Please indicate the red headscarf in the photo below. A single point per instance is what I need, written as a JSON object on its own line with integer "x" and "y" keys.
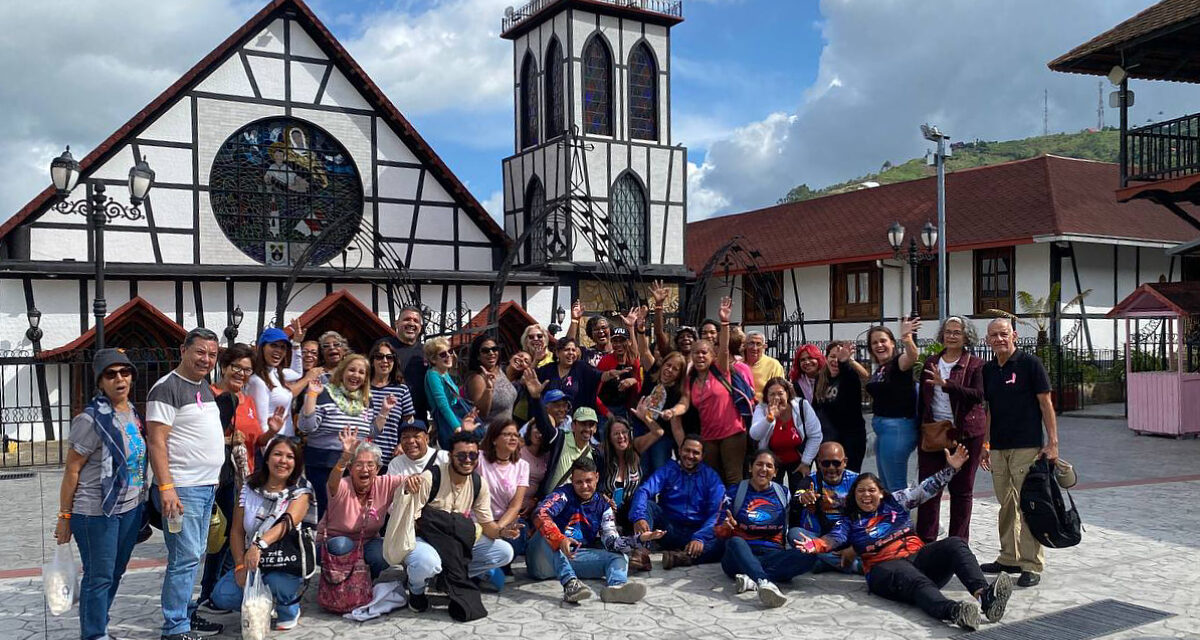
{"x": 803, "y": 350}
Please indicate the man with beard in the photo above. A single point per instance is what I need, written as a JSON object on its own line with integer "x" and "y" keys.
{"x": 684, "y": 499}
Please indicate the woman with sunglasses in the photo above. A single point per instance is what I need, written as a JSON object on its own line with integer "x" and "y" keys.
{"x": 488, "y": 386}
{"x": 536, "y": 343}
{"x": 447, "y": 407}
{"x": 387, "y": 380}
{"x": 103, "y": 488}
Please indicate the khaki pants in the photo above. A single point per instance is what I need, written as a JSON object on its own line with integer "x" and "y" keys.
{"x": 727, "y": 457}
{"x": 1017, "y": 545}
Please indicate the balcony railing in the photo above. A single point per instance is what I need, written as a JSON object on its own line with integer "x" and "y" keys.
{"x": 672, "y": 8}
{"x": 1163, "y": 150}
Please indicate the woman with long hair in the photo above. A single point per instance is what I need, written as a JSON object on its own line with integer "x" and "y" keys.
{"x": 103, "y": 488}
{"x": 507, "y": 477}
{"x": 622, "y": 473}
{"x": 536, "y": 342}
{"x": 898, "y": 565}
{"x": 786, "y": 425}
{"x": 952, "y": 389}
{"x": 447, "y": 408}
{"x": 668, "y": 377}
{"x": 345, "y": 403}
{"x": 515, "y": 372}
{"x": 572, "y": 375}
{"x": 838, "y": 402}
{"x": 270, "y": 386}
{"x": 536, "y": 450}
{"x": 275, "y": 500}
{"x": 387, "y": 380}
{"x": 488, "y": 386}
{"x": 806, "y": 368}
{"x": 894, "y": 401}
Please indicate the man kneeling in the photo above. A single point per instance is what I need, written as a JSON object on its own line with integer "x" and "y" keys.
{"x": 570, "y": 519}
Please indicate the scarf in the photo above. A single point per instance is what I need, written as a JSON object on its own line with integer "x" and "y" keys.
{"x": 276, "y": 503}
{"x": 114, "y": 472}
{"x": 347, "y": 405}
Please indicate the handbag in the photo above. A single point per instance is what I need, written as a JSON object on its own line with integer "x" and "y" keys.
{"x": 217, "y": 532}
{"x": 937, "y": 436}
{"x": 345, "y": 580}
{"x": 295, "y": 553}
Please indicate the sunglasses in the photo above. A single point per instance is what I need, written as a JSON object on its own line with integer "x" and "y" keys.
{"x": 386, "y": 357}
{"x": 832, "y": 464}
{"x": 444, "y": 354}
{"x": 489, "y": 350}
{"x": 124, "y": 372}
{"x": 536, "y": 336}
{"x": 466, "y": 456}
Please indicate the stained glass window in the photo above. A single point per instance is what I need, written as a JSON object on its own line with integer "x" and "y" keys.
{"x": 643, "y": 94}
{"x": 555, "y": 104}
{"x": 597, "y": 88}
{"x": 627, "y": 219}
{"x": 529, "y": 103}
{"x": 535, "y": 206}
{"x": 277, "y": 184}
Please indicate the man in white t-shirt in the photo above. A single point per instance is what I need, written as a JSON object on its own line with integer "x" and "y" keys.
{"x": 187, "y": 449}
{"x": 415, "y": 456}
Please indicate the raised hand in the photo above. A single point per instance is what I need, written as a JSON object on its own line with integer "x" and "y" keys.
{"x": 659, "y": 292}
{"x": 958, "y": 457}
{"x": 909, "y": 326}
{"x": 389, "y": 402}
{"x": 532, "y": 384}
{"x": 726, "y": 310}
{"x": 577, "y": 310}
{"x": 470, "y": 421}
{"x": 297, "y": 330}
{"x": 933, "y": 376}
{"x": 314, "y": 385}
{"x": 349, "y": 440}
{"x": 630, "y": 319}
{"x": 275, "y": 422}
{"x": 489, "y": 379}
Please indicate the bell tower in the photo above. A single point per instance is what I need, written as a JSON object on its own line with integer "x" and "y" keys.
{"x": 594, "y": 175}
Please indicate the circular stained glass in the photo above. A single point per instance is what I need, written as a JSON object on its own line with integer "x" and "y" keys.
{"x": 279, "y": 185}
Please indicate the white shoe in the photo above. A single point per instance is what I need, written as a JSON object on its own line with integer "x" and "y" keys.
{"x": 770, "y": 595}
{"x": 287, "y": 625}
{"x": 743, "y": 583}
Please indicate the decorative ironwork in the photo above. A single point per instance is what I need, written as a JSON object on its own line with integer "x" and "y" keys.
{"x": 643, "y": 94}
{"x": 734, "y": 257}
{"x": 513, "y": 17}
{"x": 1163, "y": 150}
{"x": 627, "y": 218}
{"x": 556, "y": 111}
{"x": 597, "y": 87}
{"x": 443, "y": 324}
{"x": 112, "y": 209}
{"x": 529, "y": 102}
{"x": 276, "y": 184}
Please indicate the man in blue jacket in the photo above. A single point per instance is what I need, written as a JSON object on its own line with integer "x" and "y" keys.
{"x": 683, "y": 498}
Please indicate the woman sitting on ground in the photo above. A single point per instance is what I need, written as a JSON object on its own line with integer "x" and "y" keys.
{"x": 275, "y": 500}
{"x": 622, "y": 473}
{"x": 898, "y": 565}
{"x": 507, "y": 477}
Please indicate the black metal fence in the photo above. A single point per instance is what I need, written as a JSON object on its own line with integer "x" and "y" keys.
{"x": 1164, "y": 150}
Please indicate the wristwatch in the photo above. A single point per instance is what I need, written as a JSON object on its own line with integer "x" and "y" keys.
{"x": 261, "y": 544}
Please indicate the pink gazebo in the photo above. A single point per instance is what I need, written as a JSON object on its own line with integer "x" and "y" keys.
{"x": 1166, "y": 399}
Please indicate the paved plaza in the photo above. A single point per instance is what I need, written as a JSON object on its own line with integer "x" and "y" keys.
{"x": 1137, "y": 498}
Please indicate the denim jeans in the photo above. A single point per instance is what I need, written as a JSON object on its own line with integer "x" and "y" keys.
{"x": 105, "y": 544}
{"x": 780, "y": 565}
{"x": 184, "y": 550}
{"x": 679, "y": 535}
{"x": 521, "y": 543}
{"x": 372, "y": 552}
{"x": 544, "y": 563}
{"x": 895, "y": 442}
{"x": 423, "y": 562}
{"x": 285, "y": 588}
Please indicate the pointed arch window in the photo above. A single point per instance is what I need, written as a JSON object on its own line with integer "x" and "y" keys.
{"x": 535, "y": 207}
{"x": 597, "y": 87}
{"x": 556, "y": 115}
{"x": 627, "y": 219}
{"x": 643, "y": 94}
{"x": 529, "y": 102}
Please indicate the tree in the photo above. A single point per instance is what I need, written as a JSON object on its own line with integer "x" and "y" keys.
{"x": 1038, "y": 312}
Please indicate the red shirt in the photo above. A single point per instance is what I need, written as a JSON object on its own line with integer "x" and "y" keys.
{"x": 785, "y": 442}
{"x": 246, "y": 422}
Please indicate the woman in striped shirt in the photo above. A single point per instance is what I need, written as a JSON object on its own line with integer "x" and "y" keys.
{"x": 344, "y": 403}
{"x": 387, "y": 380}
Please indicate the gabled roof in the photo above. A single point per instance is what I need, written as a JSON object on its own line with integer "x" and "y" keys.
{"x": 999, "y": 205}
{"x": 343, "y": 301}
{"x": 135, "y": 309}
{"x": 510, "y": 318}
{"x": 298, "y": 10}
{"x": 1160, "y": 299}
{"x": 1155, "y": 44}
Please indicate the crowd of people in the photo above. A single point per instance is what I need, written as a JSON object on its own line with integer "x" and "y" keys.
{"x": 583, "y": 454}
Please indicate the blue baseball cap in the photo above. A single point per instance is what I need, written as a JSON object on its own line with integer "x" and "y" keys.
{"x": 272, "y": 334}
{"x": 554, "y": 395}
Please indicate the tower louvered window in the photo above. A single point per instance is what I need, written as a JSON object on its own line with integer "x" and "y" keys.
{"x": 556, "y": 116}
{"x": 535, "y": 207}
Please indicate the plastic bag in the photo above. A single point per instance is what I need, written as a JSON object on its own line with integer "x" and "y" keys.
{"x": 60, "y": 580}
{"x": 257, "y": 604}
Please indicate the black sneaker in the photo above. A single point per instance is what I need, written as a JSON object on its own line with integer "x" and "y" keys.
{"x": 186, "y": 635}
{"x": 576, "y": 591}
{"x": 207, "y": 605}
{"x": 965, "y": 615}
{"x": 995, "y": 597}
{"x": 202, "y": 627}
{"x": 418, "y": 602}
{"x": 996, "y": 567}
{"x": 1029, "y": 579}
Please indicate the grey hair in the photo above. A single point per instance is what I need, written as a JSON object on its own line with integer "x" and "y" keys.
{"x": 367, "y": 447}
{"x": 1005, "y": 319}
{"x": 970, "y": 337}
{"x": 753, "y": 334}
{"x": 333, "y": 334}
{"x": 198, "y": 334}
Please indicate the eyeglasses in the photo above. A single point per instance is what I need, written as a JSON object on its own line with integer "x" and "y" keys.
{"x": 954, "y": 334}
{"x": 240, "y": 371}
{"x": 536, "y": 336}
{"x": 370, "y": 464}
{"x": 444, "y": 354}
{"x": 832, "y": 464}
{"x": 332, "y": 345}
{"x": 489, "y": 350}
{"x": 466, "y": 456}
{"x": 387, "y": 357}
{"x": 124, "y": 372}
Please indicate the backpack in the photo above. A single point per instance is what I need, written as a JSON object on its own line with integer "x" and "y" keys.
{"x": 740, "y": 391}
{"x": 739, "y": 498}
{"x": 436, "y": 485}
{"x": 1043, "y": 510}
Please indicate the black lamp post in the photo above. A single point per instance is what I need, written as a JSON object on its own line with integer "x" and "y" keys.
{"x": 913, "y": 256}
{"x": 33, "y": 333}
{"x": 64, "y": 173}
{"x": 235, "y": 321}
{"x": 560, "y": 314}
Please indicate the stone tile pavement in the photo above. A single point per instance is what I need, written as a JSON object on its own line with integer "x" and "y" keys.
{"x": 1140, "y": 546}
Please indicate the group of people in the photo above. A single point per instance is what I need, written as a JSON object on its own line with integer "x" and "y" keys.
{"x": 584, "y": 454}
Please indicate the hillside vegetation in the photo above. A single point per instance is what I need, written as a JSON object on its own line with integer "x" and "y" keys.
{"x": 1089, "y": 145}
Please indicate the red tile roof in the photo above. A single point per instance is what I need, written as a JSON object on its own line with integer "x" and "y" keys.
{"x": 510, "y": 318}
{"x": 343, "y": 302}
{"x": 1156, "y": 34}
{"x": 998, "y": 205}
{"x": 274, "y": 9}
{"x": 1158, "y": 299}
{"x": 137, "y": 307}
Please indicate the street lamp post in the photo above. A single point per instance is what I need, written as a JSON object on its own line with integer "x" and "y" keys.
{"x": 943, "y": 151}
{"x": 913, "y": 256}
{"x": 560, "y": 314}
{"x": 99, "y": 210}
{"x": 235, "y": 321}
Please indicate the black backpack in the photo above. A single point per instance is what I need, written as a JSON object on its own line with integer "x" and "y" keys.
{"x": 1049, "y": 518}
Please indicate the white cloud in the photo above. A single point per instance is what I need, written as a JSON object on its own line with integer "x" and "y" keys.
{"x": 494, "y": 204}
{"x": 975, "y": 69}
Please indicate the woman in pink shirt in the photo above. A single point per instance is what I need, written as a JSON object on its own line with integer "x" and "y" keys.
{"x": 506, "y": 473}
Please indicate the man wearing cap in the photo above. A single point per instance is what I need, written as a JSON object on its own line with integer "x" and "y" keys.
{"x": 621, "y": 377}
{"x": 187, "y": 449}
{"x": 414, "y": 455}
{"x": 565, "y": 446}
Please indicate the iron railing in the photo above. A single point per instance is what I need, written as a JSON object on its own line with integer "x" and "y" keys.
{"x": 665, "y": 7}
{"x": 1163, "y": 150}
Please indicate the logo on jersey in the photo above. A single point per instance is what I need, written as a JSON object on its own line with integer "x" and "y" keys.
{"x": 760, "y": 511}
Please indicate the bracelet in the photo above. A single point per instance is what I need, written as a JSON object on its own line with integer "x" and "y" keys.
{"x": 239, "y": 567}
{"x": 312, "y": 394}
{"x": 164, "y": 487}
{"x": 726, "y": 324}
{"x": 987, "y": 446}
{"x": 64, "y": 515}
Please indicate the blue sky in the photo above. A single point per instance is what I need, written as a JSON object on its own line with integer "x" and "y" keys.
{"x": 767, "y": 94}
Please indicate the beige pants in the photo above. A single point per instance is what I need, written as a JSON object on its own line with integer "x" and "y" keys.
{"x": 1017, "y": 545}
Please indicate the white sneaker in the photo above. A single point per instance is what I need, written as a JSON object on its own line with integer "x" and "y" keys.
{"x": 287, "y": 625}
{"x": 770, "y": 595}
{"x": 744, "y": 583}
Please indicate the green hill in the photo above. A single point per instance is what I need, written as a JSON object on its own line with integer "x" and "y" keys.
{"x": 1089, "y": 145}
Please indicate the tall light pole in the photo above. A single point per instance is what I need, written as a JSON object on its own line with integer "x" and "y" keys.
{"x": 932, "y": 134}
{"x": 913, "y": 256}
{"x": 99, "y": 210}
